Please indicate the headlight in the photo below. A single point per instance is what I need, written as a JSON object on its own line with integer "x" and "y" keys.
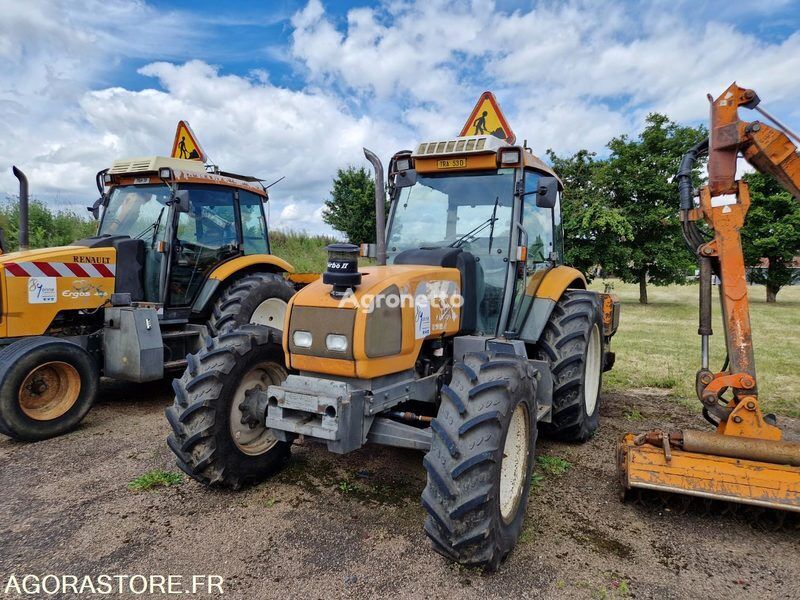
{"x": 302, "y": 339}
{"x": 334, "y": 342}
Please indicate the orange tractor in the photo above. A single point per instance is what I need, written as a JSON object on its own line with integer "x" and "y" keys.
{"x": 744, "y": 460}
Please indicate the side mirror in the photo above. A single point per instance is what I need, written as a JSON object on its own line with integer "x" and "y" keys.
{"x": 181, "y": 199}
{"x": 547, "y": 194}
{"x": 95, "y": 208}
{"x": 405, "y": 178}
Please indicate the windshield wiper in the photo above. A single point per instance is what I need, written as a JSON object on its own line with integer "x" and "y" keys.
{"x": 153, "y": 226}
{"x": 494, "y": 218}
{"x": 473, "y": 232}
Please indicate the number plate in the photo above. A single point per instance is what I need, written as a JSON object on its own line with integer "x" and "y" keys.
{"x": 451, "y": 163}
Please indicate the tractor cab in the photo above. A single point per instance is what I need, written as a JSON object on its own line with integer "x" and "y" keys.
{"x": 183, "y": 223}
{"x": 493, "y": 200}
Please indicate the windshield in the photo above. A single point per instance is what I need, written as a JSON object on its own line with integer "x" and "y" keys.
{"x": 470, "y": 210}
{"x": 134, "y": 210}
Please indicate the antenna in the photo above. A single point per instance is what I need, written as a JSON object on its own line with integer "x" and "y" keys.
{"x": 274, "y": 182}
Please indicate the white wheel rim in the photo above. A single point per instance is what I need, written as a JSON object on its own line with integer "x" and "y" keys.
{"x": 270, "y": 312}
{"x": 591, "y": 376}
{"x": 514, "y": 466}
{"x": 258, "y": 440}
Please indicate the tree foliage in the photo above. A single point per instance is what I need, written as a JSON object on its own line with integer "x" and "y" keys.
{"x": 771, "y": 231}
{"x": 622, "y": 212}
{"x": 47, "y": 227}
{"x": 351, "y": 207}
{"x": 592, "y": 226}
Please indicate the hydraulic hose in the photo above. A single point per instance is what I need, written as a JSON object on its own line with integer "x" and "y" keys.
{"x": 685, "y": 187}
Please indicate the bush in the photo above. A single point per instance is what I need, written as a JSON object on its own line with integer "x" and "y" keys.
{"x": 47, "y": 227}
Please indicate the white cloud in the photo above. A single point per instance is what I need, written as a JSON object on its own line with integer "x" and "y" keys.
{"x": 568, "y": 74}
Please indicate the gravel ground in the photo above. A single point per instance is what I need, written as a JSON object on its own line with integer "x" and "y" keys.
{"x": 351, "y": 526}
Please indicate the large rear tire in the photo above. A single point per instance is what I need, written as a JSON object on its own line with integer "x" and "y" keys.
{"x": 257, "y": 298}
{"x": 211, "y": 437}
{"x": 47, "y": 386}
{"x": 481, "y": 459}
{"x": 572, "y": 343}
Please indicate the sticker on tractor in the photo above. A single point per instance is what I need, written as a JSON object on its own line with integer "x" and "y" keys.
{"x": 186, "y": 144}
{"x": 42, "y": 290}
{"x": 422, "y": 318}
{"x": 487, "y": 119}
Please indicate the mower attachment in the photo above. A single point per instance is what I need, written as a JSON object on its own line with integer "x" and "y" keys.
{"x": 710, "y": 465}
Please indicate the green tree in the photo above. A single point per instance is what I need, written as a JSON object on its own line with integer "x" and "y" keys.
{"x": 771, "y": 231}
{"x": 638, "y": 180}
{"x": 351, "y": 207}
{"x": 46, "y": 227}
{"x": 593, "y": 228}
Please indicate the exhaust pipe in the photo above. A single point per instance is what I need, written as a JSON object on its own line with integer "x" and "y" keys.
{"x": 380, "y": 207}
{"x": 23, "y": 208}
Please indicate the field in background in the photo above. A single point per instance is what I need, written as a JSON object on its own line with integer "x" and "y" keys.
{"x": 657, "y": 345}
{"x": 306, "y": 253}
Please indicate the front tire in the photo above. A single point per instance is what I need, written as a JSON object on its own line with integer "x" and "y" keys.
{"x": 481, "y": 459}
{"x": 47, "y": 386}
{"x": 572, "y": 343}
{"x": 210, "y": 438}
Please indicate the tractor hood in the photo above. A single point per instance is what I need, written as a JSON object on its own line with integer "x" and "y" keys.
{"x": 38, "y": 284}
{"x": 376, "y": 329}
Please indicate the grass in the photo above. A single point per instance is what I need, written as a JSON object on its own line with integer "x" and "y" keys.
{"x": 632, "y": 414}
{"x": 657, "y": 344}
{"x": 305, "y": 252}
{"x": 552, "y": 466}
{"x": 153, "y": 479}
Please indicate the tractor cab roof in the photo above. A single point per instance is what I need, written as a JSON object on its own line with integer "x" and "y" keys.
{"x": 475, "y": 152}
{"x": 143, "y": 170}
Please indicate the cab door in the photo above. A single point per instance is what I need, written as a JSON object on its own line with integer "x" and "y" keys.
{"x": 205, "y": 236}
{"x": 542, "y": 240}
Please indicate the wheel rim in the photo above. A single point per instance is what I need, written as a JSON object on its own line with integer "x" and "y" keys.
{"x": 257, "y": 440}
{"x": 49, "y": 391}
{"x": 591, "y": 378}
{"x": 514, "y": 467}
{"x": 270, "y": 312}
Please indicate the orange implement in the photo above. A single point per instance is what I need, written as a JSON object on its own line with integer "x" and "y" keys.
{"x": 708, "y": 476}
{"x": 744, "y": 460}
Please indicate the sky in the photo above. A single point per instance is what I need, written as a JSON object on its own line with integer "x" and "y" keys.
{"x": 298, "y": 88}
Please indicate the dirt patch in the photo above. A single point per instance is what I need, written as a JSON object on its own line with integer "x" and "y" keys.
{"x": 351, "y": 526}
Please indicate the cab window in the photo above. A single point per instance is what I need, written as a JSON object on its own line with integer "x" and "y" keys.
{"x": 254, "y": 233}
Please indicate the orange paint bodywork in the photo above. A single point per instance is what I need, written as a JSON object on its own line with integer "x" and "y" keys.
{"x": 410, "y": 280}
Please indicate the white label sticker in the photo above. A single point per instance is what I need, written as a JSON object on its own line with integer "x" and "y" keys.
{"x": 422, "y": 318}
{"x": 724, "y": 200}
{"x": 141, "y": 180}
{"x": 42, "y": 290}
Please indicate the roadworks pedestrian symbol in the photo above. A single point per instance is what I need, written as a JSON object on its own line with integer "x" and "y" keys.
{"x": 186, "y": 144}
{"x": 487, "y": 119}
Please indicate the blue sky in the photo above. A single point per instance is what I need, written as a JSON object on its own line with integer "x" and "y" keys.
{"x": 296, "y": 88}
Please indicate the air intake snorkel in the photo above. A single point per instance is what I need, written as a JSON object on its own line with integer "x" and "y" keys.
{"x": 342, "y": 270}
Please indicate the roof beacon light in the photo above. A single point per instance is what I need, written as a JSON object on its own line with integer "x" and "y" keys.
{"x": 509, "y": 157}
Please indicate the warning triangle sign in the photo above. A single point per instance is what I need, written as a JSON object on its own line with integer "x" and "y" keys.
{"x": 186, "y": 144}
{"x": 487, "y": 119}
